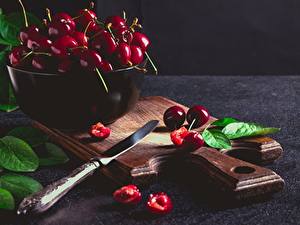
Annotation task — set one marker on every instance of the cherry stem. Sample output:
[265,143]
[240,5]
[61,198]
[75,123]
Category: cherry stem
[124,15]
[48,14]
[99,22]
[24,13]
[87,27]
[152,64]
[144,70]
[92,5]
[41,53]
[27,55]
[110,31]
[96,34]
[83,47]
[192,124]
[103,82]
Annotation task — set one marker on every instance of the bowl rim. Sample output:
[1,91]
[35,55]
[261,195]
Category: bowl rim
[59,74]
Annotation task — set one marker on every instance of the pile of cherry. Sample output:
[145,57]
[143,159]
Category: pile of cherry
[64,42]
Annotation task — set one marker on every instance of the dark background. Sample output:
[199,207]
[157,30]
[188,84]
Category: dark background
[209,36]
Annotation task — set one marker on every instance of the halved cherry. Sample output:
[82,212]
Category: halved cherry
[177,136]
[129,195]
[99,131]
[159,203]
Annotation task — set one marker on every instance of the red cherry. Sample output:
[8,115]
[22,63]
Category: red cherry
[137,55]
[177,136]
[96,44]
[90,59]
[123,54]
[61,46]
[40,43]
[93,28]
[64,18]
[174,117]
[105,66]
[129,194]
[65,65]
[124,35]
[59,29]
[198,113]
[192,141]
[28,32]
[140,40]
[16,56]
[116,21]
[99,131]
[159,203]
[81,38]
[85,16]
[108,43]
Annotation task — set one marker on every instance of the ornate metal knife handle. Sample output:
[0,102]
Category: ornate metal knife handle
[43,200]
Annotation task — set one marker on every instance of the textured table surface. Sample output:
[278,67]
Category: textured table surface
[270,100]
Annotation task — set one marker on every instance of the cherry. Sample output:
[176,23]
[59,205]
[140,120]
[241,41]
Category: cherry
[58,29]
[99,131]
[106,67]
[124,34]
[177,136]
[65,65]
[61,46]
[108,43]
[64,18]
[116,21]
[140,40]
[85,16]
[17,56]
[96,44]
[198,114]
[192,141]
[40,43]
[129,194]
[174,117]
[159,203]
[123,54]
[28,32]
[93,28]
[90,60]
[39,62]
[137,55]
[81,38]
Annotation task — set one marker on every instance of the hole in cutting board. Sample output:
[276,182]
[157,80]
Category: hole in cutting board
[243,169]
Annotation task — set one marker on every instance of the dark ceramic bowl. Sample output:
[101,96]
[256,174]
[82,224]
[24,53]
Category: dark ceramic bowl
[78,99]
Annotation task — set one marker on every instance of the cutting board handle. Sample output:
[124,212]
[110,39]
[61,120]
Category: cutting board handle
[242,179]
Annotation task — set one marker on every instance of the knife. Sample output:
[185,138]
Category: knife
[47,197]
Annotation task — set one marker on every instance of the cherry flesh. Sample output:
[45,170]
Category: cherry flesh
[159,203]
[17,54]
[198,113]
[174,117]
[129,195]
[63,45]
[123,54]
[28,32]
[40,43]
[140,40]
[116,21]
[137,55]
[90,60]
[192,141]
[81,38]
[177,136]
[99,131]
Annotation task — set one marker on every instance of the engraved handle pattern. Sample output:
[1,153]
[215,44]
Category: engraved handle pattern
[43,200]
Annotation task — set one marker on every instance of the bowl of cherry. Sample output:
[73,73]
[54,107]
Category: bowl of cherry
[76,70]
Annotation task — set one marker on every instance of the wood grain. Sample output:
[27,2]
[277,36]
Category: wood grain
[143,163]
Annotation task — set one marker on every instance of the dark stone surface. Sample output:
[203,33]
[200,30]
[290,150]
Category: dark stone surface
[271,100]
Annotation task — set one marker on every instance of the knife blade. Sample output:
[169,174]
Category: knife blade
[47,197]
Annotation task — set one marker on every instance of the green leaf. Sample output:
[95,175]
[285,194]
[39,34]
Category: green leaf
[216,139]
[6,200]
[223,122]
[241,129]
[8,108]
[55,156]
[20,186]
[31,135]
[16,155]
[11,24]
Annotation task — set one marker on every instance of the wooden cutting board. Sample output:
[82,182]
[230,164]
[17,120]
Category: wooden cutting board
[156,152]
